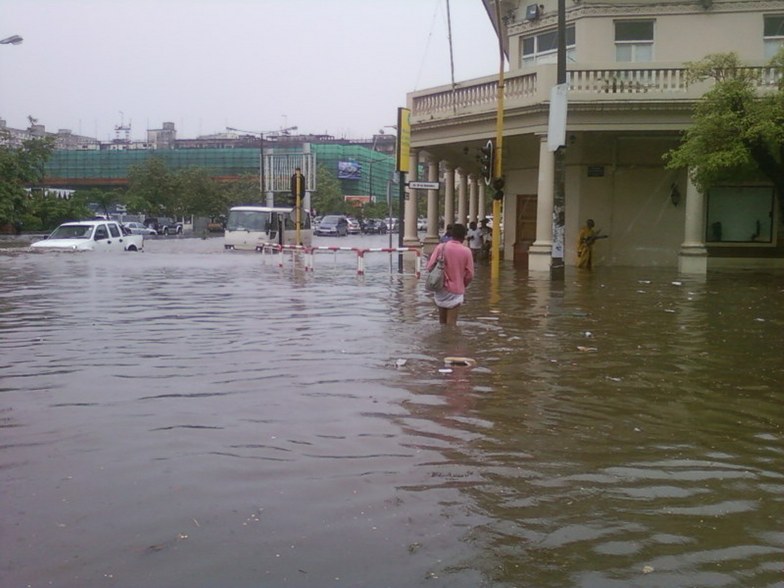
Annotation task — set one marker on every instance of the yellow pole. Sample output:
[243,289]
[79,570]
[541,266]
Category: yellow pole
[297,202]
[495,262]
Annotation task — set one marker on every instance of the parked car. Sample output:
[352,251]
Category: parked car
[139,229]
[374,226]
[332,225]
[164,225]
[353,226]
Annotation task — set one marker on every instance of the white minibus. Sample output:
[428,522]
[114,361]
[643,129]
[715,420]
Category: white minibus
[248,227]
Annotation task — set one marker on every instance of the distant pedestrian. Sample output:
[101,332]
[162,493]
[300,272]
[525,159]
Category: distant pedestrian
[475,239]
[447,234]
[458,273]
[487,239]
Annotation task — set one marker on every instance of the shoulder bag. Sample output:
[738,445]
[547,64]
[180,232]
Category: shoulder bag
[435,278]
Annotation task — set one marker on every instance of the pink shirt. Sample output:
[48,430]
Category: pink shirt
[458,265]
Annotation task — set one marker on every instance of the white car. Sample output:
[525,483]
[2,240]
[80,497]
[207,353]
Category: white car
[139,229]
[91,235]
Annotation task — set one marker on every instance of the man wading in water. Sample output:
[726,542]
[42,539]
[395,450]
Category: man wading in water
[458,273]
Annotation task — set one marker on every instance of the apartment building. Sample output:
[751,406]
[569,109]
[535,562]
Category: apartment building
[628,105]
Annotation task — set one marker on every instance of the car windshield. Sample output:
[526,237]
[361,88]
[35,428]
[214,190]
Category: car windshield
[330,220]
[72,232]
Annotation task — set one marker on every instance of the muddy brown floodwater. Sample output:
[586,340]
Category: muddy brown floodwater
[193,417]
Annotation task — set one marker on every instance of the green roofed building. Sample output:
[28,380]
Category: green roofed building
[360,170]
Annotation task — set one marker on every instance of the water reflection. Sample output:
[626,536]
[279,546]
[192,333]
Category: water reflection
[190,415]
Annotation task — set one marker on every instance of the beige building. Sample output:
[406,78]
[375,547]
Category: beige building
[628,103]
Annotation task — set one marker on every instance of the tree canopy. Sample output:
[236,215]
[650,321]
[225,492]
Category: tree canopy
[20,168]
[738,131]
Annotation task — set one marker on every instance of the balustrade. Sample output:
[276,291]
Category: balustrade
[585,84]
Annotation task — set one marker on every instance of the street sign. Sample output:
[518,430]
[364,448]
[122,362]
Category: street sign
[424,185]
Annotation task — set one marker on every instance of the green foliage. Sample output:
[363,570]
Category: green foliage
[154,189]
[244,191]
[151,188]
[20,168]
[329,196]
[738,133]
[46,211]
[104,200]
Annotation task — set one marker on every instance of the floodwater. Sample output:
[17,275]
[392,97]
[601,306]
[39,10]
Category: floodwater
[193,417]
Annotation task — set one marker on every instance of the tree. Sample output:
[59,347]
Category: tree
[152,188]
[20,168]
[738,133]
[329,196]
[103,199]
[200,195]
[243,191]
[44,211]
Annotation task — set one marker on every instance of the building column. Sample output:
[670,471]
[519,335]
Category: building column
[449,196]
[462,198]
[480,201]
[473,190]
[410,237]
[541,251]
[693,256]
[431,234]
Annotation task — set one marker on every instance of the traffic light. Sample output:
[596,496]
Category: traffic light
[487,161]
[498,186]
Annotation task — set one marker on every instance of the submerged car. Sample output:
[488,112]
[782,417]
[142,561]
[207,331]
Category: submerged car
[164,225]
[332,225]
[139,229]
[374,226]
[91,235]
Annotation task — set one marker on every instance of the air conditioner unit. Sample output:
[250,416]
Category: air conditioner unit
[532,12]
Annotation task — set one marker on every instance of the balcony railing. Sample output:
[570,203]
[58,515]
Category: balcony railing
[585,85]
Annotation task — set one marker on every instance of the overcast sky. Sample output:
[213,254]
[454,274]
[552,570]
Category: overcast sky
[340,67]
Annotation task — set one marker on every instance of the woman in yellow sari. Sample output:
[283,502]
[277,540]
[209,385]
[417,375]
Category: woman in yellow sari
[585,244]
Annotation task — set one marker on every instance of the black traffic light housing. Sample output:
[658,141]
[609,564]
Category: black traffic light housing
[487,161]
[498,187]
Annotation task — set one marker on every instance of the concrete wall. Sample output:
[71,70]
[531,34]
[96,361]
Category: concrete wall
[727,25]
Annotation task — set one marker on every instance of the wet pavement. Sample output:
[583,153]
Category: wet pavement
[193,417]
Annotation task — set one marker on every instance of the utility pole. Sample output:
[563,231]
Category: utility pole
[498,173]
[557,140]
[402,151]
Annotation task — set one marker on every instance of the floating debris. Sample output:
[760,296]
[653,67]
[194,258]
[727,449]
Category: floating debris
[459,361]
[400,363]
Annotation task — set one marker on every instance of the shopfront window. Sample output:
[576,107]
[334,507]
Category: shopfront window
[738,214]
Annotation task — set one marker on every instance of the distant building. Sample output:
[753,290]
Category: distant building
[164,138]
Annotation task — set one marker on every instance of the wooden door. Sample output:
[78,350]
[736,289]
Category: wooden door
[525,228]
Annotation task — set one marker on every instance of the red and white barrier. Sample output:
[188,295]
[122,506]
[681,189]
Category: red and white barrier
[360,252]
